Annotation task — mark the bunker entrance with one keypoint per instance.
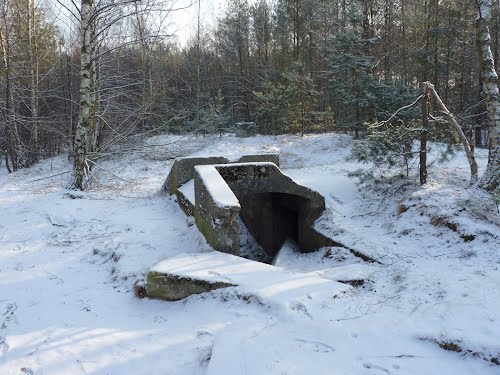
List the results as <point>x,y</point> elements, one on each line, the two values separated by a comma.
<point>272,218</point>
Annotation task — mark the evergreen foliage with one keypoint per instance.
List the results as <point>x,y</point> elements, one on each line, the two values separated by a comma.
<point>393,147</point>
<point>287,66</point>
<point>287,102</point>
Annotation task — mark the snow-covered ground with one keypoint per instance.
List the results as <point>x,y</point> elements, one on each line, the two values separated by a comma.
<point>69,260</point>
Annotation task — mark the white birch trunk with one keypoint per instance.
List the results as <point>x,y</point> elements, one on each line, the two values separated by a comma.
<point>491,178</point>
<point>85,117</point>
<point>95,126</point>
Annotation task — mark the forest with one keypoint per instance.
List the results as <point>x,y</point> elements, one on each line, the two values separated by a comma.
<point>291,187</point>
<point>84,76</point>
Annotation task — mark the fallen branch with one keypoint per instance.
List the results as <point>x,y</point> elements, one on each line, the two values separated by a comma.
<point>54,175</point>
<point>105,170</point>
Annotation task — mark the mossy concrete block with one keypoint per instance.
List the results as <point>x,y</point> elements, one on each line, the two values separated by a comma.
<point>186,274</point>
<point>185,204</point>
<point>171,287</point>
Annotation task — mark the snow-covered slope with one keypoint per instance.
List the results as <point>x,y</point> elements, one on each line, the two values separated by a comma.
<point>68,263</point>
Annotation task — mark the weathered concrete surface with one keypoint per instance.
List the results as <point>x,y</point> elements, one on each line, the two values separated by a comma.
<point>274,207</point>
<point>186,198</point>
<point>183,171</point>
<point>258,158</point>
<point>171,287</point>
<point>216,210</point>
<point>183,168</point>
<point>185,204</point>
<point>178,277</point>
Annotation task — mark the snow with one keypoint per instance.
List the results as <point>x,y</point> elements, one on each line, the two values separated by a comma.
<point>269,348</point>
<point>188,191</point>
<point>232,156</point>
<point>219,190</point>
<point>484,9</point>
<point>272,285</point>
<point>68,263</point>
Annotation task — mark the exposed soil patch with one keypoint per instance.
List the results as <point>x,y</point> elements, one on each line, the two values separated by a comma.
<point>457,347</point>
<point>441,221</point>
<point>353,283</point>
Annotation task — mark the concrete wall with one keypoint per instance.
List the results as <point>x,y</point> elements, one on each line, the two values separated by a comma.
<point>216,212</point>
<point>183,168</point>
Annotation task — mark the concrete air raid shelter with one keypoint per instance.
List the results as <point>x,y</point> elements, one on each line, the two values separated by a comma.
<point>220,194</point>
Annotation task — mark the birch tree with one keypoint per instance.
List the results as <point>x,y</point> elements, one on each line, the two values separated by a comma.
<point>491,178</point>
<point>82,145</point>
<point>96,18</point>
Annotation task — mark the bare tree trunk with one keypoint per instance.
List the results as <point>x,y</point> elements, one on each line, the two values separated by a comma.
<point>429,87</point>
<point>147,69</point>
<point>423,135</point>
<point>491,178</point>
<point>478,128</point>
<point>68,106</point>
<point>386,37</point>
<point>33,149</point>
<point>87,97</point>
<point>198,64</point>
<point>403,42</point>
<point>95,128</point>
<point>7,162</point>
<point>434,9</point>
<point>12,135</point>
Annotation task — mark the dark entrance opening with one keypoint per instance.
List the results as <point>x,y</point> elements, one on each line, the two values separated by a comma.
<point>272,218</point>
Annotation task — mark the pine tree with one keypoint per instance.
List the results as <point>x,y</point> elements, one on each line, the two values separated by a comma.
<point>287,103</point>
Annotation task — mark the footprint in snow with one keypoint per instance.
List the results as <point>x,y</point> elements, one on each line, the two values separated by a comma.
<point>204,334</point>
<point>335,199</point>
<point>375,368</point>
<point>315,346</point>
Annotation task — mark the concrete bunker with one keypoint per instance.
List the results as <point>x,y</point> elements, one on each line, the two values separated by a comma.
<point>271,205</point>
<point>251,190</point>
<point>272,218</point>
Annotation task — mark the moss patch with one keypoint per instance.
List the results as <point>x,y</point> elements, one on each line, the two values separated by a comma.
<point>171,287</point>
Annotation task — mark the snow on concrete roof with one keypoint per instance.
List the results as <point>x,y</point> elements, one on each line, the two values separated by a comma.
<point>270,283</point>
<point>222,195</point>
